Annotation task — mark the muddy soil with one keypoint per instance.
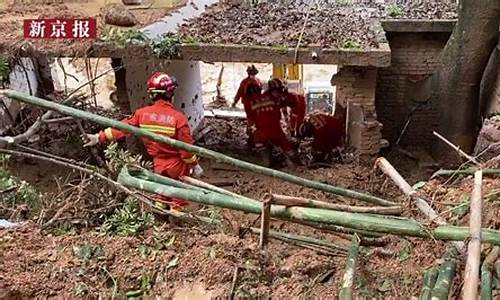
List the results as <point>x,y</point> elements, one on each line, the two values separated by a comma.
<point>199,262</point>
<point>12,16</point>
<point>342,24</point>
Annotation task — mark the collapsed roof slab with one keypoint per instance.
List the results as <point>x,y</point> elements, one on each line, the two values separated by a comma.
<point>379,57</point>
<point>418,25</point>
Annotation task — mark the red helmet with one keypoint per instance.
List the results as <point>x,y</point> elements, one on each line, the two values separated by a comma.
<point>161,83</point>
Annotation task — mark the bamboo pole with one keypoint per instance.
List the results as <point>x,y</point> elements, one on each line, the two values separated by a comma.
<point>150,176</point>
<point>300,238</point>
<point>469,171</point>
<point>264,223</point>
<point>299,201</point>
<point>391,225</point>
<point>471,280</point>
<point>445,277</point>
<point>348,280</point>
<point>66,110</point>
<point>486,274</point>
<point>430,277</point>
<point>419,202</point>
<point>208,186</point>
<point>456,148</point>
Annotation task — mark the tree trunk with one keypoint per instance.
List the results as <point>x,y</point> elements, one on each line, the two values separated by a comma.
<point>458,79</point>
<point>489,95</point>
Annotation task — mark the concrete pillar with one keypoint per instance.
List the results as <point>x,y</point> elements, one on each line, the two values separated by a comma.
<point>356,89</point>
<point>188,96</point>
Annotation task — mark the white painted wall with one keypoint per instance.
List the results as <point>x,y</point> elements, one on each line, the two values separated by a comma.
<point>23,79</point>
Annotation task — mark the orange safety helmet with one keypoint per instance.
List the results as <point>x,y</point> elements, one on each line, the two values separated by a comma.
<point>162,84</point>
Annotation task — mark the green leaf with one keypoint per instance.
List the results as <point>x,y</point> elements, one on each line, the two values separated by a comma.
<point>419,185</point>
<point>6,183</point>
<point>170,242</point>
<point>173,263</point>
<point>405,251</point>
<point>385,286</point>
<point>144,250</point>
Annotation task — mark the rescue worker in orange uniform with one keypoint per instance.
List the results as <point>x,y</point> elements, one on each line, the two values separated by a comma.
<point>266,111</point>
<point>161,118</point>
<point>327,131</point>
<point>297,105</point>
<point>249,89</point>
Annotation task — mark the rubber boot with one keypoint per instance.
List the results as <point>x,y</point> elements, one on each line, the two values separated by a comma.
<point>264,154</point>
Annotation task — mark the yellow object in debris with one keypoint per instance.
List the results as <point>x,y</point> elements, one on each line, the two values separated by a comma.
<point>294,72</point>
<point>279,71</point>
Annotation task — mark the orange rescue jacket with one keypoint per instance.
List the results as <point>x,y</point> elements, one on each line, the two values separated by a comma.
<point>160,118</point>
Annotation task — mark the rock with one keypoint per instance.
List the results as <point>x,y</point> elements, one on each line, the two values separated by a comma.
<point>132,2</point>
<point>119,15</point>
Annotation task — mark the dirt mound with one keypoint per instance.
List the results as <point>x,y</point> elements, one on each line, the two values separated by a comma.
<point>342,24</point>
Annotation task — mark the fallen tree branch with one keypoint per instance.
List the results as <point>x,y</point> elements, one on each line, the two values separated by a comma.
<point>58,120</point>
<point>471,278</point>
<point>469,171</point>
<point>234,282</point>
<point>56,157</point>
<point>346,292</point>
<point>419,202</point>
<point>194,149</point>
<point>304,202</point>
<point>486,274</point>
<point>300,238</point>
<point>46,116</point>
<point>456,148</point>
<point>93,150</point>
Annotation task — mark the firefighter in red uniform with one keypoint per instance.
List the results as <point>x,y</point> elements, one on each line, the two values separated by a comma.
<point>160,118</point>
<point>268,132</point>
<point>297,105</point>
<point>250,88</point>
<point>327,131</point>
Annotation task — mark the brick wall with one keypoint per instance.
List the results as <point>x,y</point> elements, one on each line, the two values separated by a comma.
<point>356,86</point>
<point>405,87</point>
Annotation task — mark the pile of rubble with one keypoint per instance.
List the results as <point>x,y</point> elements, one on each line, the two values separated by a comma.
<point>280,24</point>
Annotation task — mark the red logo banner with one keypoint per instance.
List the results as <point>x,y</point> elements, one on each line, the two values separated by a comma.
<point>60,28</point>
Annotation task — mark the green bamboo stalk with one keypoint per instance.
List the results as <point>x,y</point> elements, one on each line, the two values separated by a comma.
<point>150,176</point>
<point>497,268</point>
<point>487,275</point>
<point>430,277</point>
<point>66,110</point>
<point>301,238</point>
<point>340,229</point>
<point>397,226</point>
<point>350,269</point>
<point>486,280</point>
<point>444,280</point>
<point>469,171</point>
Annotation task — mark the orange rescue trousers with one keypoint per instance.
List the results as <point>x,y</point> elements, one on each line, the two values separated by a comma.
<point>173,168</point>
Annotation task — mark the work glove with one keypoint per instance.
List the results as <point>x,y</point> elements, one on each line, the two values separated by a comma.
<point>196,171</point>
<point>91,139</point>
